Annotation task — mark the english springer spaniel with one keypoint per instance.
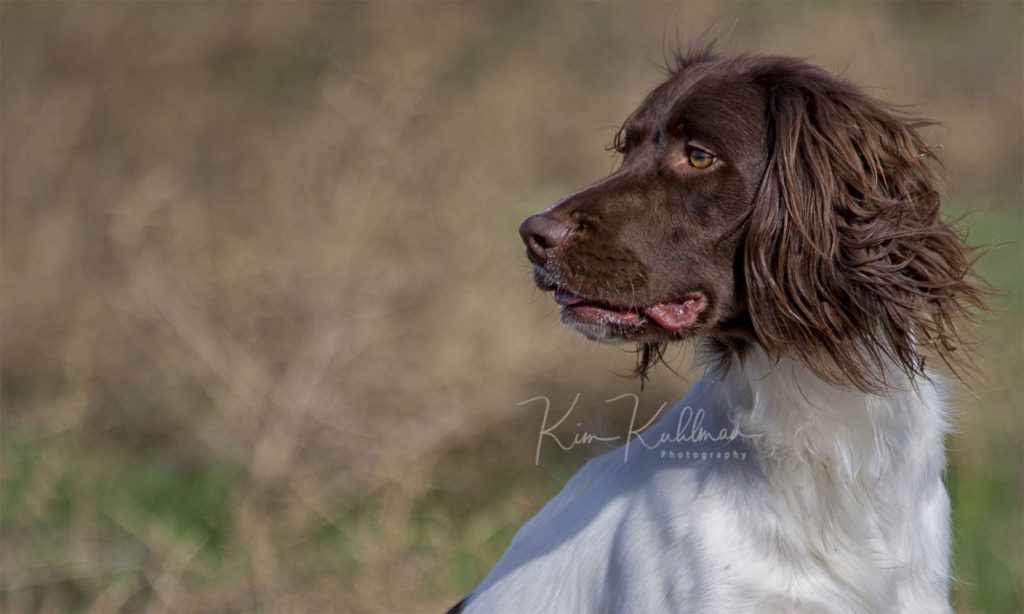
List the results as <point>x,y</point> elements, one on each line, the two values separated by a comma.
<point>790,224</point>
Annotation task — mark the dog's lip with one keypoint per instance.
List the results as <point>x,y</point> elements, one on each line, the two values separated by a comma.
<point>679,314</point>
<point>566,298</point>
<point>673,315</point>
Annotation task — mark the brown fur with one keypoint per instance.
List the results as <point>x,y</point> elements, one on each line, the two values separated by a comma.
<point>818,237</point>
<point>848,260</point>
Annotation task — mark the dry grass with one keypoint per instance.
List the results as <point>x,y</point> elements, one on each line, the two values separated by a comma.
<point>265,316</point>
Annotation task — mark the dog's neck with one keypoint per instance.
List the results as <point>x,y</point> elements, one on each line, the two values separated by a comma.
<point>851,479</point>
<point>841,441</point>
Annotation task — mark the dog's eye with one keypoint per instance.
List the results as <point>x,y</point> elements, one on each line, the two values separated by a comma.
<point>701,159</point>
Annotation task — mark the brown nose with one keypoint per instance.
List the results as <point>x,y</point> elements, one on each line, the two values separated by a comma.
<point>542,234</point>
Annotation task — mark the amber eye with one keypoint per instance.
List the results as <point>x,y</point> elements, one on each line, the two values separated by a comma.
<point>701,159</point>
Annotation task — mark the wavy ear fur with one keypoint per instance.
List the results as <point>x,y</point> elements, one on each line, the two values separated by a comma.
<point>848,264</point>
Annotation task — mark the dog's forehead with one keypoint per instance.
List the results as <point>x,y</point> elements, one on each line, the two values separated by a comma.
<point>709,92</point>
<point>709,83</point>
<point>693,79</point>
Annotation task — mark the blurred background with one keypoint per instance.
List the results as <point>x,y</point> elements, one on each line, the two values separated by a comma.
<point>267,322</point>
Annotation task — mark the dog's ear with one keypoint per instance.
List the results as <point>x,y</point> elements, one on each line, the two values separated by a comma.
<point>848,265</point>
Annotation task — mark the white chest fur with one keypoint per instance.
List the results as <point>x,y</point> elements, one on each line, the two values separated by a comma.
<point>828,500</point>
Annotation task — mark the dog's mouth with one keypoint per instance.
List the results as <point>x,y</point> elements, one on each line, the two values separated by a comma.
<point>674,316</point>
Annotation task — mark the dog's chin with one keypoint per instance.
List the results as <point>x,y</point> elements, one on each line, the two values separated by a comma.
<point>603,332</point>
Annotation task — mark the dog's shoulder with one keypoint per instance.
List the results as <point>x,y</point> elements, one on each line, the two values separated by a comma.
<point>629,524</point>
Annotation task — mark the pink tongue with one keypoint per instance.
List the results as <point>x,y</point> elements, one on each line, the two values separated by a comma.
<point>676,316</point>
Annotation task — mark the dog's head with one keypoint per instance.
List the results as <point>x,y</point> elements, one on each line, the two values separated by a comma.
<point>762,200</point>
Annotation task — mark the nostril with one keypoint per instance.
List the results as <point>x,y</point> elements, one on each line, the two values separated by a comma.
<point>542,233</point>
<point>536,248</point>
<point>539,241</point>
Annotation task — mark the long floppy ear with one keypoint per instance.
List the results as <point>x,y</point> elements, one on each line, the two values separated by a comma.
<point>848,264</point>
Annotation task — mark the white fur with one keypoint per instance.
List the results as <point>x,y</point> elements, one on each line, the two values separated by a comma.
<point>838,506</point>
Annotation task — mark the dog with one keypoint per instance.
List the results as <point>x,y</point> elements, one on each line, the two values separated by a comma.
<point>790,224</point>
